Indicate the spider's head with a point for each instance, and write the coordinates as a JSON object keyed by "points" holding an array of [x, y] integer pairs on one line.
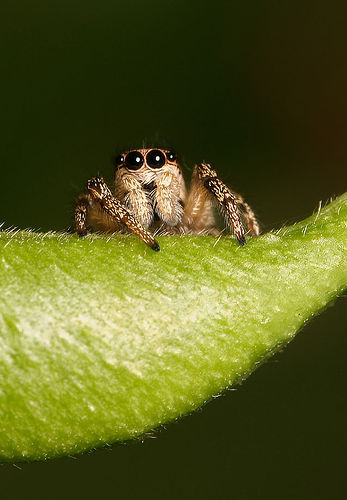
{"points": [[150, 183], [146, 160]]}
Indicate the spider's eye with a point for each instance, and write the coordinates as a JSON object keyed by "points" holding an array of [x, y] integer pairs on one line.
{"points": [[134, 160], [155, 158], [119, 160], [171, 156]]}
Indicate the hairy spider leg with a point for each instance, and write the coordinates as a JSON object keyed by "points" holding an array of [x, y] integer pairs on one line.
{"points": [[100, 192], [248, 214], [224, 198], [81, 210]]}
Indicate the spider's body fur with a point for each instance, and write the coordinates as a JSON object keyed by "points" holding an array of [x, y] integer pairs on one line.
{"points": [[150, 196]]}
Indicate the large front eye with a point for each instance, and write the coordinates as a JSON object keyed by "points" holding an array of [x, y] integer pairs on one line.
{"points": [[155, 158], [134, 160]]}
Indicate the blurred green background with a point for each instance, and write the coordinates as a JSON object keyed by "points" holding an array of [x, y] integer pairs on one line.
{"points": [[259, 90]]}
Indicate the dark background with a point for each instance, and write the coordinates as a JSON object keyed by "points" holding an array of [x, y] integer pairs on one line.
{"points": [[259, 90]]}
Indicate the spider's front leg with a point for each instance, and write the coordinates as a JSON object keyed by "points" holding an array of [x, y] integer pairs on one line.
{"points": [[100, 192], [205, 185]]}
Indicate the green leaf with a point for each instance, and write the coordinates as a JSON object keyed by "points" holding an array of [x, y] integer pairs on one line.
{"points": [[103, 339]]}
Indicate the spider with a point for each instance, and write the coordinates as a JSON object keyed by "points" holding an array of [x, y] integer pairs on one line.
{"points": [[150, 196]]}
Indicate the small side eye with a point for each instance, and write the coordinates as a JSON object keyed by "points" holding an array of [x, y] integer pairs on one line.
{"points": [[119, 160], [155, 158], [134, 160], [171, 156]]}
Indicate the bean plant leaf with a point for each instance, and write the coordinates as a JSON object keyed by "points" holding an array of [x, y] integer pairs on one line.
{"points": [[102, 339]]}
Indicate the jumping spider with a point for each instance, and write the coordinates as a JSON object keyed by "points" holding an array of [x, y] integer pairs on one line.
{"points": [[150, 195]]}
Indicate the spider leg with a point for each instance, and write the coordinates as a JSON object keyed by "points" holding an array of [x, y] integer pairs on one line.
{"points": [[247, 214], [226, 200], [198, 215], [129, 189], [81, 211], [100, 192]]}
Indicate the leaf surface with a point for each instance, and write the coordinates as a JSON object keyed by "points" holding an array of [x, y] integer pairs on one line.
{"points": [[102, 339]]}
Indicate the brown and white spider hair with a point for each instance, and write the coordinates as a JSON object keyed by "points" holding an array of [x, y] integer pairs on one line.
{"points": [[150, 196]]}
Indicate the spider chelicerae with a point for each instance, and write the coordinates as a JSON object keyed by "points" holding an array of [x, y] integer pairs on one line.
{"points": [[150, 197]]}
